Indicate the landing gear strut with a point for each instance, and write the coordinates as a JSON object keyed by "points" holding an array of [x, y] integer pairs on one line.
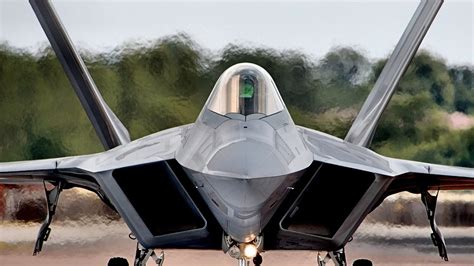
{"points": [[52, 197], [143, 254], [437, 237], [243, 262], [257, 261], [338, 257], [244, 252]]}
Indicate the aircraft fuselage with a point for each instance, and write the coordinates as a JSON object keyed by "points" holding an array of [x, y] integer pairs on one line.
{"points": [[244, 161]]}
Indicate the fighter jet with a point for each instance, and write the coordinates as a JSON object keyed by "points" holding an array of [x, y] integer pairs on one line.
{"points": [[243, 178]]}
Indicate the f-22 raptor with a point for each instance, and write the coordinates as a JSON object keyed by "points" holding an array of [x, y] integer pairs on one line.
{"points": [[243, 177]]}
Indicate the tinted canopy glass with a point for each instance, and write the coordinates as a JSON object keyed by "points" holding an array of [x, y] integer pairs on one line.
{"points": [[245, 89]]}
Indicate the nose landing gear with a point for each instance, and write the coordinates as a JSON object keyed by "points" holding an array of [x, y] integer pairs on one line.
{"points": [[243, 262], [142, 255], [257, 261], [338, 257], [244, 252]]}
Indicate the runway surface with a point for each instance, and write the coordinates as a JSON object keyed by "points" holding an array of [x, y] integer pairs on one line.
{"points": [[93, 243], [86, 232]]}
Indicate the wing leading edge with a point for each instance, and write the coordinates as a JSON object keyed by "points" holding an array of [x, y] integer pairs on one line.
{"points": [[156, 147], [331, 150]]}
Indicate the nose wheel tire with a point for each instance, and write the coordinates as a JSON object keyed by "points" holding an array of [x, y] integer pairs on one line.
{"points": [[257, 261], [117, 261], [362, 262]]}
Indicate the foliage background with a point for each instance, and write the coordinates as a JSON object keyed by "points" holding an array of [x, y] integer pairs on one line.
{"points": [[164, 84]]}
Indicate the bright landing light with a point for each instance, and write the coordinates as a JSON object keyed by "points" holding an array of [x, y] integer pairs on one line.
{"points": [[250, 251]]}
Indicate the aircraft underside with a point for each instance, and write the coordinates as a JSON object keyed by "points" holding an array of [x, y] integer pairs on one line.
{"points": [[169, 208]]}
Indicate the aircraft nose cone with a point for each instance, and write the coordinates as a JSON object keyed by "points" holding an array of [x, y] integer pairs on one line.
{"points": [[243, 206], [248, 159]]}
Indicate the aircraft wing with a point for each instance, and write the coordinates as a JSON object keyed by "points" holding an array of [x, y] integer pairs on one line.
{"points": [[355, 180], [136, 179], [35, 171], [153, 148], [331, 150], [419, 175]]}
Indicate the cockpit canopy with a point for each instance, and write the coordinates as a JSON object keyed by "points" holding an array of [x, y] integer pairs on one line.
{"points": [[245, 89]]}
